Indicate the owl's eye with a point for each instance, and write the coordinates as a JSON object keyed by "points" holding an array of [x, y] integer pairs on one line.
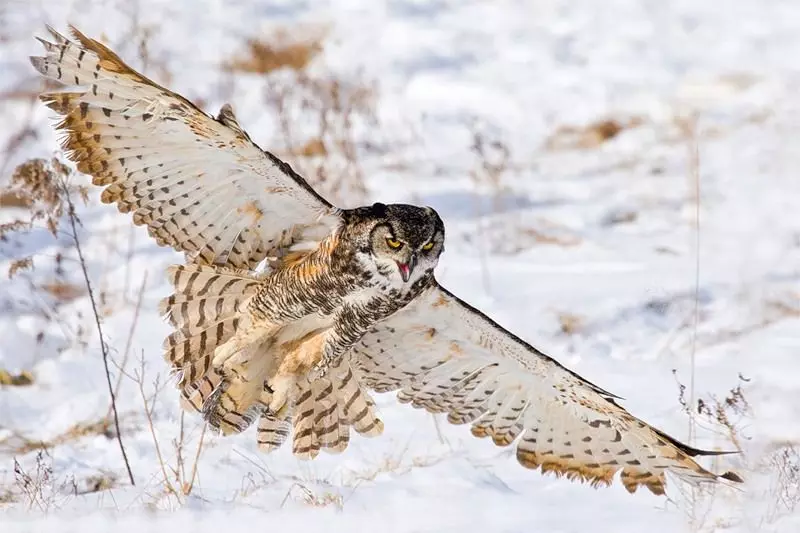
{"points": [[427, 246], [393, 244]]}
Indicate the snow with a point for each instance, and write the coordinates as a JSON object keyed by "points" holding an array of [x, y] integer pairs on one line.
{"points": [[623, 261]]}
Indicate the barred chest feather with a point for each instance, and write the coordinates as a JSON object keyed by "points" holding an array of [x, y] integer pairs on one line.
{"points": [[341, 290]]}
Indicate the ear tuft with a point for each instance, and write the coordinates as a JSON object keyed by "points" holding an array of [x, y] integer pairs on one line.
{"points": [[379, 209]]}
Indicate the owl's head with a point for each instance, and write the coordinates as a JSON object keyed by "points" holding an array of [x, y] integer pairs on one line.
{"points": [[404, 241]]}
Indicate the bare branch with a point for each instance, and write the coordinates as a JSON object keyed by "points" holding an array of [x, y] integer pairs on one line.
{"points": [[103, 346]]}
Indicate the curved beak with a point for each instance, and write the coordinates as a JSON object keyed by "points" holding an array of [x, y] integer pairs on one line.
{"points": [[407, 268]]}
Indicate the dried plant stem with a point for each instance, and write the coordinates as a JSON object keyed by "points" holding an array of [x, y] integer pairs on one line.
{"points": [[689, 127], [694, 170], [148, 411], [103, 347], [187, 488], [128, 342]]}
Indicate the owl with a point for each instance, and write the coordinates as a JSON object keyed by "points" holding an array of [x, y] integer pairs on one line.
{"points": [[289, 310]]}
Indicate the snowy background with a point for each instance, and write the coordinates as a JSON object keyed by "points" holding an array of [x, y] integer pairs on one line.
{"points": [[564, 143]]}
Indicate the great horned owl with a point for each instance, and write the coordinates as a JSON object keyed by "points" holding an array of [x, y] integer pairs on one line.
{"points": [[347, 300]]}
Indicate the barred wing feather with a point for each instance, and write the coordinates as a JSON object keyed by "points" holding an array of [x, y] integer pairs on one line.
{"points": [[197, 182], [447, 357]]}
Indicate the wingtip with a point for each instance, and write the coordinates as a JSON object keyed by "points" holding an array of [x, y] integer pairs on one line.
{"points": [[732, 476], [52, 31], [47, 44], [38, 63], [694, 452], [79, 36]]}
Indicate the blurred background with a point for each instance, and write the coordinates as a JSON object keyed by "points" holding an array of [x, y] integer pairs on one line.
{"points": [[620, 182]]}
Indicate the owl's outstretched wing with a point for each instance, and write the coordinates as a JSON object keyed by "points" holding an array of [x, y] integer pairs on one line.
{"points": [[447, 357], [198, 182]]}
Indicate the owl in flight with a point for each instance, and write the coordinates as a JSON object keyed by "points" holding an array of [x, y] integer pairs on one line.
{"points": [[289, 309]]}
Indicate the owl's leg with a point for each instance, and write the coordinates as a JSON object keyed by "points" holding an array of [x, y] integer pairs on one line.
{"points": [[329, 358], [300, 357], [249, 335], [341, 337]]}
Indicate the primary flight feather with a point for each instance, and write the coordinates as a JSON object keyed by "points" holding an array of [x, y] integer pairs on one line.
{"points": [[347, 302]]}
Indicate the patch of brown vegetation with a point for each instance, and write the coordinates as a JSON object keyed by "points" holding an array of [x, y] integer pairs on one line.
{"points": [[14, 199], [570, 324], [331, 107], [284, 49], [63, 291], [591, 135], [313, 148], [37, 185], [22, 379], [19, 444], [19, 265], [541, 237]]}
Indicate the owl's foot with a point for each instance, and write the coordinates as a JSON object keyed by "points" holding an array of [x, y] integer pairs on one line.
{"points": [[318, 371], [244, 338], [281, 386]]}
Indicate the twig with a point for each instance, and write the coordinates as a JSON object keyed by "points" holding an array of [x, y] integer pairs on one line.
{"points": [[188, 489], [148, 411], [128, 342], [694, 166], [103, 347]]}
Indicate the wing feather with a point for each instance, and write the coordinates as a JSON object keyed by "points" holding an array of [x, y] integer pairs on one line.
{"points": [[197, 182], [443, 355]]}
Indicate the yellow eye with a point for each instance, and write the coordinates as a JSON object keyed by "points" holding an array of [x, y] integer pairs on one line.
{"points": [[393, 243], [427, 246]]}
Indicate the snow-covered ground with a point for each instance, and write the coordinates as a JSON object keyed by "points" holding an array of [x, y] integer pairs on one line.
{"points": [[602, 237]]}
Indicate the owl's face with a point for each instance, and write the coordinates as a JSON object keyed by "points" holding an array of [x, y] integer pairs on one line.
{"points": [[404, 241]]}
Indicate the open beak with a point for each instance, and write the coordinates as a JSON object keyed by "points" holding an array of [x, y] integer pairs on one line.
{"points": [[407, 268]]}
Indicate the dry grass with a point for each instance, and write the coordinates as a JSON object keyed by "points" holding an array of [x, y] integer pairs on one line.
{"points": [[37, 487], [63, 291], [309, 496], [320, 115], [325, 151], [729, 412], [284, 49], [729, 418], [590, 135], [784, 460], [18, 444], [36, 184], [10, 199], [22, 379], [492, 161], [176, 482], [571, 323]]}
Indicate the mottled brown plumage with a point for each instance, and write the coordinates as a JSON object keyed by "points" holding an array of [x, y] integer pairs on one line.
{"points": [[345, 300]]}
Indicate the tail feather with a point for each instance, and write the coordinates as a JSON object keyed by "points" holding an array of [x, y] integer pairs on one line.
{"points": [[331, 430], [327, 408], [357, 406], [272, 432], [195, 394], [305, 444], [272, 428]]}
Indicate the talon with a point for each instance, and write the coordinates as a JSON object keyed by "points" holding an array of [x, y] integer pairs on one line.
{"points": [[318, 371], [281, 413], [281, 386]]}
